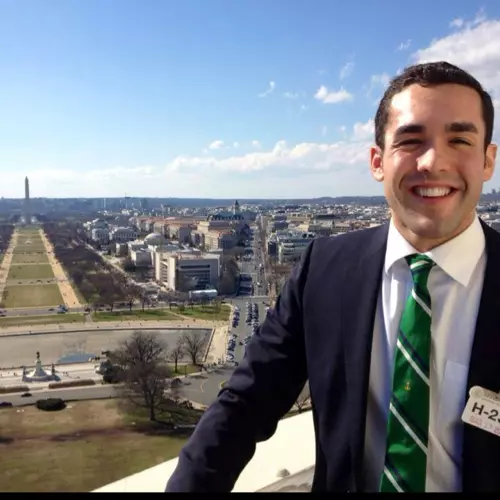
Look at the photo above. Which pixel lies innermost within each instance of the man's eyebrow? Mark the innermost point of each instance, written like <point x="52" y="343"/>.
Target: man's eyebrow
<point x="462" y="127"/>
<point x="412" y="128"/>
<point x="417" y="128"/>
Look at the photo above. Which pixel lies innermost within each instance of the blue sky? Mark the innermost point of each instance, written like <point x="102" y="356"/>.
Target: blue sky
<point x="214" y="98"/>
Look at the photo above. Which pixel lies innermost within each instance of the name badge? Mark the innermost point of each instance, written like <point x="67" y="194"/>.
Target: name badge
<point x="483" y="410"/>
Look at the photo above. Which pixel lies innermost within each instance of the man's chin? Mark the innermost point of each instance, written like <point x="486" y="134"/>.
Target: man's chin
<point x="435" y="228"/>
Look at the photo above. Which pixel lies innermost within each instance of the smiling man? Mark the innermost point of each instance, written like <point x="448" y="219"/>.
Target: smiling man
<point x="392" y="326"/>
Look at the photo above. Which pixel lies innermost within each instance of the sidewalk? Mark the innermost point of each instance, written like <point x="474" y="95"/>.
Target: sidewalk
<point x="218" y="346"/>
<point x="7" y="262"/>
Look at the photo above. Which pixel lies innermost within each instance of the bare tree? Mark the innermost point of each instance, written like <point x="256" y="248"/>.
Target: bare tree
<point x="132" y="293"/>
<point x="5" y="296"/>
<point x="304" y="400"/>
<point x="177" y="353"/>
<point x="195" y="343"/>
<point x="141" y="359"/>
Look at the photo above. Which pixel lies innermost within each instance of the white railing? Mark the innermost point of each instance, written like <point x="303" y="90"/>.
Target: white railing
<point x="291" y="448"/>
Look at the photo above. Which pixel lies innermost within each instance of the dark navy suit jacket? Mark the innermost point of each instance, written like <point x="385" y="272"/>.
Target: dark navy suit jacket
<point x="321" y="329"/>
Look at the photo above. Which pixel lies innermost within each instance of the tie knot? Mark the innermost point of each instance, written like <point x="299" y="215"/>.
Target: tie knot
<point x="420" y="266"/>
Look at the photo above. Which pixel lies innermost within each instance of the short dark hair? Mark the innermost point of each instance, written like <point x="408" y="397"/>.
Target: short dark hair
<point x="429" y="75"/>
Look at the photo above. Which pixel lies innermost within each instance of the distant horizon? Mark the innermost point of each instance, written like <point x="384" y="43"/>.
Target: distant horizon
<point x="228" y="200"/>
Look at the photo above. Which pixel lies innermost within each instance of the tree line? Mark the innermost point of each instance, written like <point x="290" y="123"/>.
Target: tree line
<point x="98" y="282"/>
<point x="6" y="231"/>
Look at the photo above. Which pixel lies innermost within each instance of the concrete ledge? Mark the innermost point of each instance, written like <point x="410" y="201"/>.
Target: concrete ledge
<point x="292" y="447"/>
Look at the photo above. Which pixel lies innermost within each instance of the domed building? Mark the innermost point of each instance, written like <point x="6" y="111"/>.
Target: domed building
<point x="154" y="239"/>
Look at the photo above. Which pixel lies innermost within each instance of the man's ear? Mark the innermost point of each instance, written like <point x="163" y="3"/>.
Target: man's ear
<point x="489" y="164"/>
<point x="376" y="165"/>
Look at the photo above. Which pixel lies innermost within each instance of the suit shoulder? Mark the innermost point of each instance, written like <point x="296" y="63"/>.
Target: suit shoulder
<point x="349" y="242"/>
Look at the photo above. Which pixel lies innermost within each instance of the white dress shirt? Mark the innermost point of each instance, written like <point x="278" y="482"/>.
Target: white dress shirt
<point x="455" y="285"/>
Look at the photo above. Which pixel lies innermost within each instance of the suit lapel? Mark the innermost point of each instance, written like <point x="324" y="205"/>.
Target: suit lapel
<point x="362" y="282"/>
<point x="481" y="450"/>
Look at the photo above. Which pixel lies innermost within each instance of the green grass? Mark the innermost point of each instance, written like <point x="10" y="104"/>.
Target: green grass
<point x="147" y="315"/>
<point x="30" y="258"/>
<point x="21" y="272"/>
<point x="184" y="369"/>
<point x="27" y="231"/>
<point x="208" y="312"/>
<point x="49" y="319"/>
<point x="29" y="248"/>
<point x="31" y="296"/>
<point x="81" y="448"/>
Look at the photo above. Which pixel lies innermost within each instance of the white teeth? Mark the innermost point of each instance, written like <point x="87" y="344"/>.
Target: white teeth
<point x="433" y="192"/>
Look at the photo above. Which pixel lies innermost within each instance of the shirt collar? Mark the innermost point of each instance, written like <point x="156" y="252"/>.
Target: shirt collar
<point x="457" y="257"/>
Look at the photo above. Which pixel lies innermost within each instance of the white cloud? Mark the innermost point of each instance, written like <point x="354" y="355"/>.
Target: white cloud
<point x="475" y="48"/>
<point x="458" y="22"/>
<point x="404" y="45"/>
<point x="270" y="89"/>
<point x="291" y="95"/>
<point x="216" y="145"/>
<point x="256" y="144"/>
<point x="364" y="131"/>
<point x="324" y="130"/>
<point x="283" y="158"/>
<point x="332" y="96"/>
<point x="236" y="145"/>
<point x="346" y="70"/>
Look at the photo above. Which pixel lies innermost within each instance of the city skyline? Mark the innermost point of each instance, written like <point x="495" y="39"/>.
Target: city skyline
<point x="272" y="103"/>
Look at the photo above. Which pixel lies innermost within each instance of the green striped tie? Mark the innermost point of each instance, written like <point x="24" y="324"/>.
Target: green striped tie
<point x="408" y="423"/>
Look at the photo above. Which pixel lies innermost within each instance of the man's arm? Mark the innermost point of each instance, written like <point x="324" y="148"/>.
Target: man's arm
<point x="261" y="390"/>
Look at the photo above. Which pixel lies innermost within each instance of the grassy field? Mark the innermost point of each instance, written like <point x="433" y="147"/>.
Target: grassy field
<point x="184" y="369"/>
<point x="29" y="248"/>
<point x="21" y="272"/>
<point x="30" y="258"/>
<point x="30" y="230"/>
<point x="49" y="319"/>
<point x="32" y="296"/>
<point x="208" y="312"/>
<point x="147" y="315"/>
<point x="87" y="445"/>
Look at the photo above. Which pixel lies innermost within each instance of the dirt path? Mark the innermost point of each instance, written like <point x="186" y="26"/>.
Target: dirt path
<point x="67" y="292"/>
<point x="7" y="261"/>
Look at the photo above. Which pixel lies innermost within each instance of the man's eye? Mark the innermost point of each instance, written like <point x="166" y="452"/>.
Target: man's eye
<point x="459" y="140"/>
<point x="409" y="142"/>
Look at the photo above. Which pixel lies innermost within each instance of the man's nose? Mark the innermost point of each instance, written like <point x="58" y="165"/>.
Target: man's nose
<point x="433" y="160"/>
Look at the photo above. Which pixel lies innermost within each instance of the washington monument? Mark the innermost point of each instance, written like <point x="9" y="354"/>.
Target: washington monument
<point x="27" y="208"/>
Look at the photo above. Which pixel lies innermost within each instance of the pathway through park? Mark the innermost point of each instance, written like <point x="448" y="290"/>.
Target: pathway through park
<point x="7" y="261"/>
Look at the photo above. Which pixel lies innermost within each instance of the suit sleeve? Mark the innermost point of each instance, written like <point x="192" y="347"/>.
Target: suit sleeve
<point x="261" y="390"/>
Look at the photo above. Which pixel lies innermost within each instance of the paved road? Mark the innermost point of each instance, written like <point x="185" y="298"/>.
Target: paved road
<point x="34" y="311"/>
<point x="252" y="267"/>
<point x="204" y="389"/>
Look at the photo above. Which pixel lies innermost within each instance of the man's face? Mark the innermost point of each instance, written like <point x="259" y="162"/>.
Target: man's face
<point x="433" y="164"/>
